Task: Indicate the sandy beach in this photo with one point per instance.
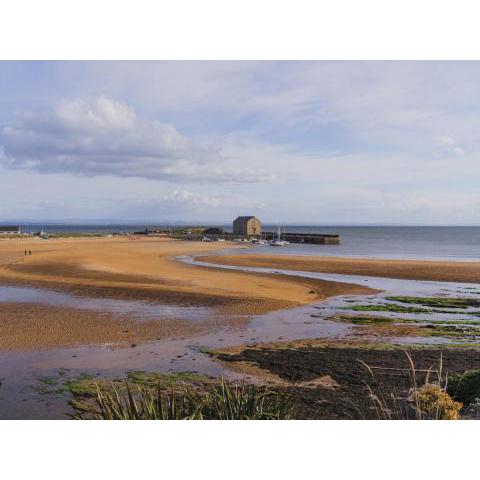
(140, 269)
(442, 271)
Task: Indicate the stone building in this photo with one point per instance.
(248, 226)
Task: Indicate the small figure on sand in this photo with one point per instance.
(29, 252)
(25, 253)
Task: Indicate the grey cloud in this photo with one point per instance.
(105, 137)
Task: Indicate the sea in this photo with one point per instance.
(401, 242)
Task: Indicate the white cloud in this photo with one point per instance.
(445, 140)
(447, 146)
(200, 200)
(106, 137)
(192, 199)
(389, 105)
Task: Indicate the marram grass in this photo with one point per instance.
(219, 402)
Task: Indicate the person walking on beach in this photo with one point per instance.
(25, 253)
(29, 252)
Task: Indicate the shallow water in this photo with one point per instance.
(138, 309)
(392, 286)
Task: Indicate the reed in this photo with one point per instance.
(220, 402)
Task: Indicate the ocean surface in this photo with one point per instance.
(445, 243)
(441, 243)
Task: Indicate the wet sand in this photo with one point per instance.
(442, 271)
(38, 327)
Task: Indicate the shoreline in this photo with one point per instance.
(385, 257)
(426, 270)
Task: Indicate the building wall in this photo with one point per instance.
(247, 226)
(254, 227)
(239, 226)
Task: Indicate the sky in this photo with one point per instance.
(314, 142)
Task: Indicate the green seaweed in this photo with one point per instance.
(162, 379)
(454, 331)
(462, 331)
(83, 385)
(366, 320)
(386, 308)
(441, 302)
(390, 307)
(372, 320)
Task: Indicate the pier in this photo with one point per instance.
(245, 228)
(309, 238)
(306, 238)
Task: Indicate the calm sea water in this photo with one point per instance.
(449, 243)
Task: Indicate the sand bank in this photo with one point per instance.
(139, 267)
(468, 272)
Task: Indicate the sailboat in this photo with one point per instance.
(285, 241)
(279, 242)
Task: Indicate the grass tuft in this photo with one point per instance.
(219, 402)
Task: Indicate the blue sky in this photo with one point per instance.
(292, 142)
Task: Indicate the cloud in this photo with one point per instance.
(447, 146)
(193, 199)
(181, 204)
(394, 106)
(106, 137)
